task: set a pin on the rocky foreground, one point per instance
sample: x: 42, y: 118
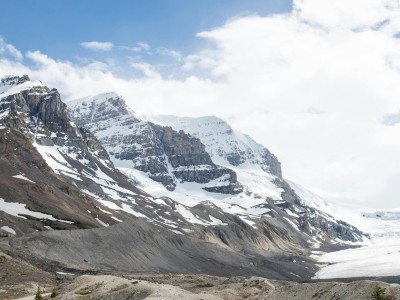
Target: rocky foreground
x: 20, y: 280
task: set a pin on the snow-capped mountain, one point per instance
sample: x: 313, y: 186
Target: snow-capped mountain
x: 227, y: 147
x: 58, y: 175
x: 131, y: 140
x: 165, y: 155
x: 173, y: 203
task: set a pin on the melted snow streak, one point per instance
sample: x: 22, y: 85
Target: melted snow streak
x: 23, y: 178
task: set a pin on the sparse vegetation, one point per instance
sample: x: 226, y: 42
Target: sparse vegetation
x: 379, y: 293
x: 38, y: 295
x: 54, y: 293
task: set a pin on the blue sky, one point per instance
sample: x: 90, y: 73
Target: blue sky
x: 316, y: 81
x: 57, y: 28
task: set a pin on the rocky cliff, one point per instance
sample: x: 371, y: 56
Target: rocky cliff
x: 227, y: 146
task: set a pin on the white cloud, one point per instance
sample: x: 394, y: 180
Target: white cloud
x: 354, y: 14
x: 98, y: 46
x: 148, y: 70
x: 144, y: 46
x: 168, y: 52
x: 313, y: 85
x: 140, y: 47
x: 9, y: 49
x: 130, y: 48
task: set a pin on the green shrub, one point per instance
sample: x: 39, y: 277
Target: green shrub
x: 54, y: 293
x: 38, y: 295
x: 379, y: 293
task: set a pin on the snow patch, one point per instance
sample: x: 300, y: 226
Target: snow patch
x: 23, y: 178
x: 8, y: 229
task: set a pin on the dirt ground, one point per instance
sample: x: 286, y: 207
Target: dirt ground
x: 20, y: 280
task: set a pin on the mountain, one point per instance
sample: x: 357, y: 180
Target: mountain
x: 132, y: 142
x: 167, y: 156
x: 227, y: 146
x: 173, y: 205
x: 41, y: 153
x: 59, y: 176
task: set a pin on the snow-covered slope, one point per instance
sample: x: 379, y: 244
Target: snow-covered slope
x: 131, y: 140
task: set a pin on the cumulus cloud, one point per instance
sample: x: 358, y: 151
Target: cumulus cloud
x: 98, y: 46
x: 313, y: 85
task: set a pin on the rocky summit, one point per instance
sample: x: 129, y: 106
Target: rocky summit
x: 153, y: 193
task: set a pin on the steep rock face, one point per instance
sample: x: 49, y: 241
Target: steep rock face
x: 51, y: 162
x: 44, y: 118
x: 226, y: 146
x: 166, y: 155
x: 37, y: 139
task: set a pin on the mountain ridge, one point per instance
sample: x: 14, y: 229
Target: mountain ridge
x: 68, y: 178
x: 257, y: 169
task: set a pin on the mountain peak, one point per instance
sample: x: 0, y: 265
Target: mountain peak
x: 166, y: 155
x: 227, y: 146
x: 97, y: 108
x: 13, y: 84
x: 14, y: 79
